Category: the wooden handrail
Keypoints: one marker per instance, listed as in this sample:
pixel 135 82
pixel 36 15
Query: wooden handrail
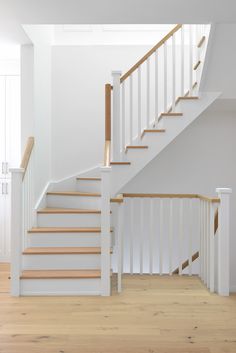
pixel 146 56
pixel 209 199
pixel 107 112
pixel 107 153
pixel 27 153
pixel 216 221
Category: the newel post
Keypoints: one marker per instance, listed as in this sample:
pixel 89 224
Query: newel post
pixel 16 229
pixel 116 127
pixel 105 232
pixel 223 241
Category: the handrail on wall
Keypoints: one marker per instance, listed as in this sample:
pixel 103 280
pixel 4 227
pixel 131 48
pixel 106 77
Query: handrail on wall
pixel 27 153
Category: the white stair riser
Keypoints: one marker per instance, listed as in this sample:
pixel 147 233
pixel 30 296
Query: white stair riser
pixel 60 201
pixel 88 185
pixel 61 262
pixel 64 239
pixel 83 286
pixel 69 220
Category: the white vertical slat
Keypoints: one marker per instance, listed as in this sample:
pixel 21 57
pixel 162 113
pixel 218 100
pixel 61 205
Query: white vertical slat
pixel 161 239
pixel 205 242
pixel 148 94
pixel 123 139
pixel 212 248
pixel 165 77
pixel 141 235
pixel 170 243
pixel 201 241
pixel 120 230
pixel 182 61
pixel 156 85
pixel 116 119
pixel 131 110
pixel 181 231
pixel 208 244
pixel 190 242
pixel 190 60
pixel 151 233
pixel 131 234
pixel 173 73
pixel 139 104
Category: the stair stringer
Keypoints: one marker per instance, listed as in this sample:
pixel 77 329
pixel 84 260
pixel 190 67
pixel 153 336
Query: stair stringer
pixel 191 110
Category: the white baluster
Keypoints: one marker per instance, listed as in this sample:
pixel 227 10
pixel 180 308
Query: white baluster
pixel 171 237
pixel 105 232
pixel 165 77
pixel 156 86
pixel 181 231
pixel 131 234
pixel 116 121
pixel 182 60
pixel 208 245
pixel 190 243
pixel 160 239
pixel 151 233
pixel 148 93
pixel 123 140
pixel 212 248
pixel 201 241
pixel 16 229
pixel 173 73
pixel 141 235
pixel 190 61
pixel 131 110
pixel 139 105
pixel 120 230
pixel 223 240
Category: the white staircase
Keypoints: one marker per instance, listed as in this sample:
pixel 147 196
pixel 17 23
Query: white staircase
pixel 66 245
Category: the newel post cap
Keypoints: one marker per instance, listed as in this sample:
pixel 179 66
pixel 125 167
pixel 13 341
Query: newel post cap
pixel 224 190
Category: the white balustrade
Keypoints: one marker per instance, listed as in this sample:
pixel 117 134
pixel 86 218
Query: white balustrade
pixel 154 84
pixel 166 234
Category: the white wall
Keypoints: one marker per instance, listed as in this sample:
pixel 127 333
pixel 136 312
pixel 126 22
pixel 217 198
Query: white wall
pixel 27 68
pixel 220 69
pixel 199 160
pixel 78 78
pixel 42 116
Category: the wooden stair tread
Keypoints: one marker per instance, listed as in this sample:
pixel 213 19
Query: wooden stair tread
pixel 152 130
pixel 65 230
pixel 120 163
pixel 73 193
pixel 49 210
pixel 171 114
pixel 202 40
pixel 89 178
pixel 196 65
pixel 189 97
pixel 136 147
pixel 61 250
pixel 60 274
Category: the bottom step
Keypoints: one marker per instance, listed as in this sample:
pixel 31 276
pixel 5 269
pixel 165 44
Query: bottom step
pixel 52 274
pixel 60 282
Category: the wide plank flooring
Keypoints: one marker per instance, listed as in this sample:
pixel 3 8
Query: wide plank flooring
pixel 152 315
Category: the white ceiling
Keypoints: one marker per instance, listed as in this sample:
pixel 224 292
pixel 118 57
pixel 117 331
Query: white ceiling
pixel 14 13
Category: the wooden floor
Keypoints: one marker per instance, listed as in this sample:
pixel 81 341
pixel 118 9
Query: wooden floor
pixel 152 315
